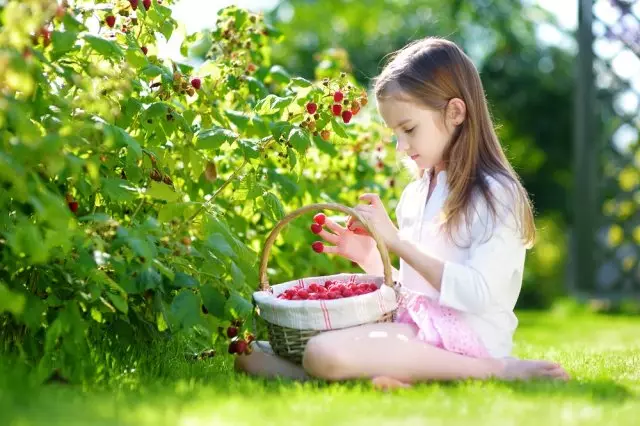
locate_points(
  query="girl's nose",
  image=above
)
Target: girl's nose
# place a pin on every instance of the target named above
(401, 144)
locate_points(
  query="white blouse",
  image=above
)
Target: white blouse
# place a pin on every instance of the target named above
(482, 279)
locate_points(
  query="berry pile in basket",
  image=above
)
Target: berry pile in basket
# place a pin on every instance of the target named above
(328, 291)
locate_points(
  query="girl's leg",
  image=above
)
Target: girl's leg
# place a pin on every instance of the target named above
(263, 363)
(390, 350)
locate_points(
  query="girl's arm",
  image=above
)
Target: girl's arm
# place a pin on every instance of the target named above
(373, 265)
(491, 275)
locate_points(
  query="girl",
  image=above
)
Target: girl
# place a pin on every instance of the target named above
(464, 226)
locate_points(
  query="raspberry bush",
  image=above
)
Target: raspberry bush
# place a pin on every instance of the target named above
(136, 191)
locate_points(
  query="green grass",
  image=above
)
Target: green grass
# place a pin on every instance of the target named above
(601, 352)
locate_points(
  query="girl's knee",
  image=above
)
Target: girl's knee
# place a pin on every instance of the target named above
(324, 360)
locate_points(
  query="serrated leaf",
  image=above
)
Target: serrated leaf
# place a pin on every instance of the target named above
(299, 140)
(213, 300)
(272, 104)
(257, 88)
(183, 280)
(220, 246)
(238, 277)
(119, 302)
(214, 138)
(325, 146)
(300, 82)
(63, 42)
(107, 48)
(161, 191)
(164, 270)
(124, 139)
(117, 190)
(185, 308)
(136, 58)
(274, 207)
(250, 148)
(238, 306)
(245, 188)
(338, 128)
(279, 74)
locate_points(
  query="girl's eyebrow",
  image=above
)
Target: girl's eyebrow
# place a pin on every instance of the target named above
(402, 122)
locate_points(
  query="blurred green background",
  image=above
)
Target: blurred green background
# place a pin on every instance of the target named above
(527, 55)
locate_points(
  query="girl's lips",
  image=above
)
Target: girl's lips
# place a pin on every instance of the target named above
(413, 157)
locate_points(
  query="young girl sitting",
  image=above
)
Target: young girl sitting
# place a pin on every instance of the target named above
(464, 225)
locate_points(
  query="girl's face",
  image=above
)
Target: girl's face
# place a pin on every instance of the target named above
(422, 133)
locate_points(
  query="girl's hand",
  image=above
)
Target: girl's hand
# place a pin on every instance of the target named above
(355, 246)
(378, 218)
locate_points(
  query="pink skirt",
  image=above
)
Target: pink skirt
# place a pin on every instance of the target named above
(438, 325)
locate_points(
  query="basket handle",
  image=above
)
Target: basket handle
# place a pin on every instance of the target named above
(384, 253)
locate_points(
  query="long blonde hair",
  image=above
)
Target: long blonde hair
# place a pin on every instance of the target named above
(432, 71)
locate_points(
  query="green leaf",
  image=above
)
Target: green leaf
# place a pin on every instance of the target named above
(11, 301)
(300, 82)
(274, 207)
(245, 188)
(239, 280)
(63, 42)
(279, 74)
(118, 301)
(238, 306)
(117, 190)
(338, 128)
(239, 118)
(124, 139)
(220, 246)
(213, 300)
(183, 280)
(272, 104)
(214, 138)
(108, 49)
(325, 146)
(185, 308)
(164, 270)
(300, 140)
(72, 24)
(257, 88)
(136, 58)
(161, 191)
(250, 148)
(166, 29)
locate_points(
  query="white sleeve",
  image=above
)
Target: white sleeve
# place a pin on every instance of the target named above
(492, 274)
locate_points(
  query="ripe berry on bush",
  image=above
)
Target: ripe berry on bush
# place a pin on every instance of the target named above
(336, 109)
(312, 107)
(110, 20)
(196, 83)
(346, 116)
(134, 4)
(338, 96)
(232, 332)
(146, 4)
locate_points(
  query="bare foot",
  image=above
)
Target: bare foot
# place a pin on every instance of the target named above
(522, 369)
(385, 383)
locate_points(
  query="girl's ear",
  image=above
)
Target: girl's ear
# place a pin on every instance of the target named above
(456, 112)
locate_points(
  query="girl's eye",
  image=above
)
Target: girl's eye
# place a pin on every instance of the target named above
(409, 131)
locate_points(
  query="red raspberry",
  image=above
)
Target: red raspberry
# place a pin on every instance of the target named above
(134, 4)
(373, 287)
(313, 288)
(318, 247)
(196, 83)
(303, 294)
(315, 228)
(295, 297)
(146, 4)
(338, 96)
(328, 283)
(73, 206)
(336, 109)
(320, 219)
(144, 49)
(241, 346)
(110, 20)
(312, 107)
(347, 292)
(321, 290)
(233, 347)
(346, 116)
(334, 295)
(232, 332)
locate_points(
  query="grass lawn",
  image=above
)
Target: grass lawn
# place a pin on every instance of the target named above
(601, 352)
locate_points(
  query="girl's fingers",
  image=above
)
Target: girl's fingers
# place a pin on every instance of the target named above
(328, 236)
(334, 227)
(330, 249)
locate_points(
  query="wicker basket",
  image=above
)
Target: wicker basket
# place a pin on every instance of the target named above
(288, 342)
